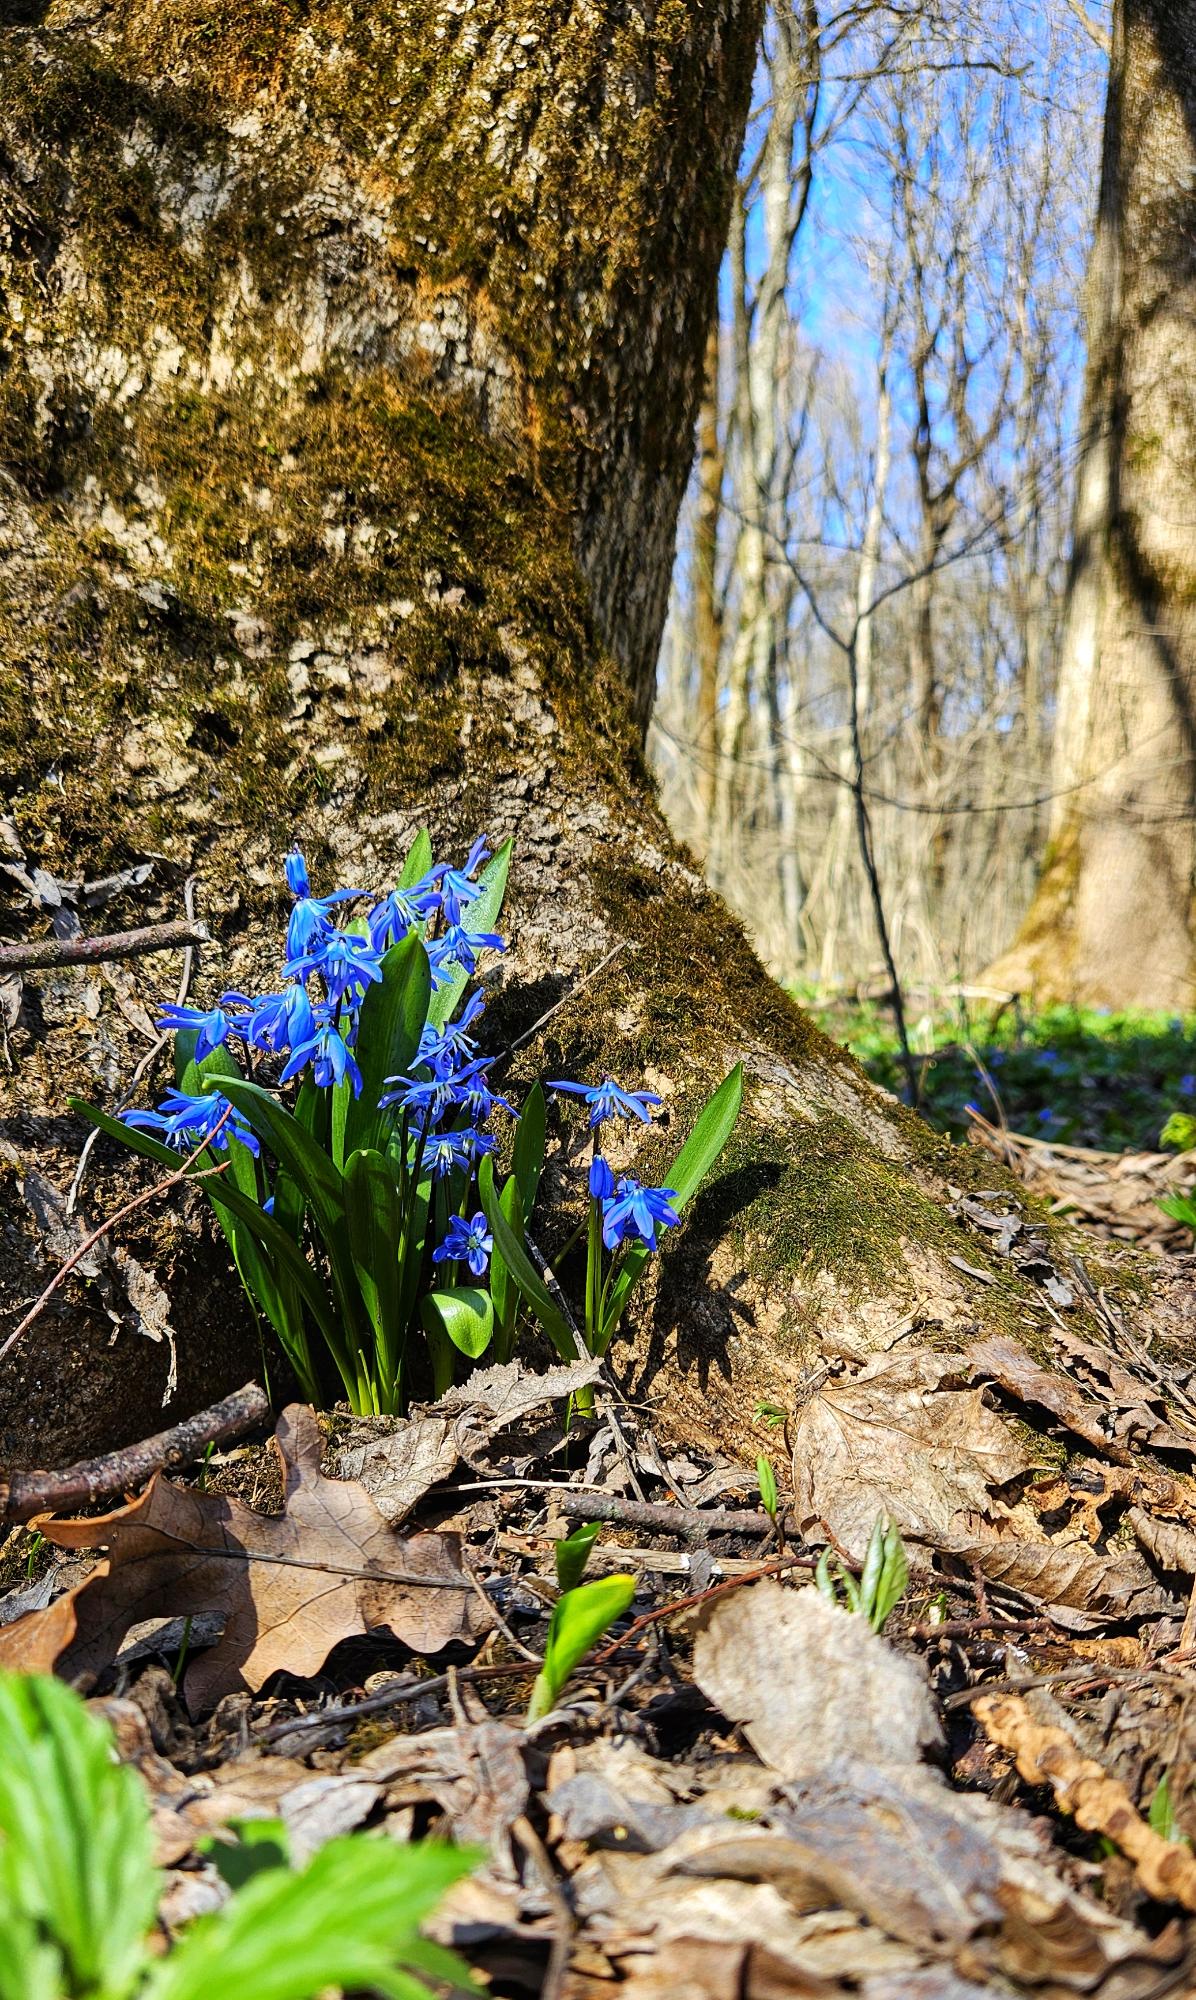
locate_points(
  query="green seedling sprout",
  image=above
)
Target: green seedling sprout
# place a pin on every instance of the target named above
(573, 1554)
(578, 1621)
(767, 1481)
(881, 1582)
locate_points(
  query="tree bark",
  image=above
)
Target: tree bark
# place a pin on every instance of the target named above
(1112, 918)
(708, 620)
(348, 399)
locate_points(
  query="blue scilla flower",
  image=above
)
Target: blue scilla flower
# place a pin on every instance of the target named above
(280, 1020)
(442, 963)
(475, 1096)
(329, 1056)
(392, 918)
(602, 1179)
(635, 1213)
(469, 1240)
(447, 1151)
(309, 917)
(446, 1048)
(606, 1100)
(429, 1096)
(185, 1121)
(213, 1025)
(1187, 1085)
(345, 962)
(457, 891)
(457, 946)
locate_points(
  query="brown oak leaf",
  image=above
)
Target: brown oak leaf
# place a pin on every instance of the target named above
(289, 1586)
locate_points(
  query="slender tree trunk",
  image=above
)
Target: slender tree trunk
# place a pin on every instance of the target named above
(349, 387)
(1112, 919)
(708, 623)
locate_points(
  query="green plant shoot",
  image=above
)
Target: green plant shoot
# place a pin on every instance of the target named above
(881, 1582)
(578, 1621)
(79, 1891)
(573, 1553)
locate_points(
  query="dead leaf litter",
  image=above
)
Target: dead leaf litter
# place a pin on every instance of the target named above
(746, 1793)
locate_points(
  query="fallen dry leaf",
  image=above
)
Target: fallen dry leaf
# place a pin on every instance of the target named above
(474, 1771)
(811, 1683)
(1081, 1586)
(1124, 1416)
(290, 1586)
(414, 1454)
(903, 1437)
(1172, 1545)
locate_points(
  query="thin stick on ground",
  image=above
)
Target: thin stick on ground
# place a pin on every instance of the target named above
(139, 1201)
(42, 953)
(92, 1479)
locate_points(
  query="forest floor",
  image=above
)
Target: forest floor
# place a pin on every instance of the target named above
(1081, 1076)
(745, 1792)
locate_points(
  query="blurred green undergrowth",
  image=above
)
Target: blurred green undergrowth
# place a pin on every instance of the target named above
(1083, 1076)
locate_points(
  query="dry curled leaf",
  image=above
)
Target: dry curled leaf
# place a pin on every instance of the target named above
(290, 1586)
(413, 1454)
(903, 1437)
(1080, 1585)
(1123, 1416)
(811, 1683)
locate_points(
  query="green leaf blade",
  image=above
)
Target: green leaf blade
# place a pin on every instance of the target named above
(520, 1265)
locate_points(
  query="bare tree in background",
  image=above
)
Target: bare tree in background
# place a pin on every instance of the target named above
(924, 516)
(1113, 918)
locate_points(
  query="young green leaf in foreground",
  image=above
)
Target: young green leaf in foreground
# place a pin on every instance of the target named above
(579, 1619)
(79, 1891)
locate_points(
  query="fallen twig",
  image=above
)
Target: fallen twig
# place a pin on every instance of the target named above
(1046, 1755)
(700, 1597)
(392, 1696)
(661, 1519)
(28, 1493)
(45, 952)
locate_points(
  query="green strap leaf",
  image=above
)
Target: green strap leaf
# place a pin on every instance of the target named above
(481, 915)
(374, 1215)
(392, 1018)
(463, 1314)
(323, 1189)
(715, 1124)
(528, 1161)
(503, 1289)
(520, 1265)
(419, 860)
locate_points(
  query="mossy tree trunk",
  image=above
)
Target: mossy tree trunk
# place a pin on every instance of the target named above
(1113, 921)
(350, 372)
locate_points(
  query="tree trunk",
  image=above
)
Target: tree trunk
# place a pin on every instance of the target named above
(708, 619)
(348, 401)
(1112, 919)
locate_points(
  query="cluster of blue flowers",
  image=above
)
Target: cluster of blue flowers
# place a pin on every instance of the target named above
(317, 1033)
(631, 1212)
(311, 1022)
